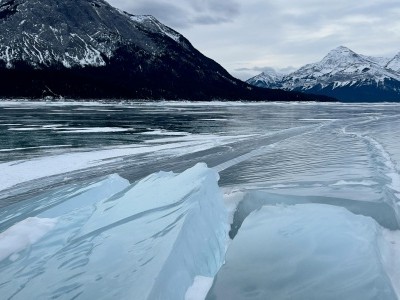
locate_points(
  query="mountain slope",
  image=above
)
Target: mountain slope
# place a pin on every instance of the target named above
(347, 76)
(88, 49)
(394, 63)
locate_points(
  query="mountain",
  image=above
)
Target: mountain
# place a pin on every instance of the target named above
(88, 49)
(345, 75)
(267, 79)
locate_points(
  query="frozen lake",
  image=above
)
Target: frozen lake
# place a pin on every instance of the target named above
(266, 154)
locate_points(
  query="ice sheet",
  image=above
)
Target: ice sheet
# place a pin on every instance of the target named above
(308, 251)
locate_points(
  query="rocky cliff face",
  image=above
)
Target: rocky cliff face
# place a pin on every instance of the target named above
(88, 49)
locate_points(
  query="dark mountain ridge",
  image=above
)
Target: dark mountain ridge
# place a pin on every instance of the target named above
(88, 49)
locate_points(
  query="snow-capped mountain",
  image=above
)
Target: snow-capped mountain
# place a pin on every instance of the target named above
(267, 79)
(345, 75)
(89, 49)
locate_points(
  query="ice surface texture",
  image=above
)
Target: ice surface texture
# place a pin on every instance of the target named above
(307, 251)
(144, 241)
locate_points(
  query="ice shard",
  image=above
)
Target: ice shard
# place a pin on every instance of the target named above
(149, 240)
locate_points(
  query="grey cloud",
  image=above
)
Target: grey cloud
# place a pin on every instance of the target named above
(246, 37)
(266, 69)
(287, 70)
(210, 20)
(231, 8)
(167, 12)
(183, 13)
(253, 69)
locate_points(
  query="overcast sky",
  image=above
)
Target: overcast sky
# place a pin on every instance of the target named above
(247, 36)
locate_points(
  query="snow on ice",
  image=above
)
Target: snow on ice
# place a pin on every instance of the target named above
(24, 234)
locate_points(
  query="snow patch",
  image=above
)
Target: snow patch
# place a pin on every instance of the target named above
(199, 289)
(354, 182)
(232, 198)
(161, 27)
(31, 148)
(23, 235)
(165, 132)
(91, 129)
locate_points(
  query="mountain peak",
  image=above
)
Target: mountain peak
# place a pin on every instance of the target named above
(339, 58)
(394, 63)
(268, 77)
(341, 51)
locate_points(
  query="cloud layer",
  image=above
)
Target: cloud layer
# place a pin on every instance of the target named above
(183, 13)
(247, 37)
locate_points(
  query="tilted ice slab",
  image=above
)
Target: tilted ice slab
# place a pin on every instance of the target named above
(308, 251)
(149, 240)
